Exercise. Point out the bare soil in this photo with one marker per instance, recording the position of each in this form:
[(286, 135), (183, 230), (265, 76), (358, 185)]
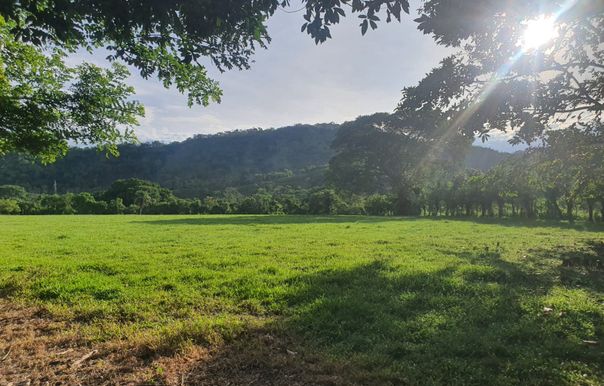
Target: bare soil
[(37, 349)]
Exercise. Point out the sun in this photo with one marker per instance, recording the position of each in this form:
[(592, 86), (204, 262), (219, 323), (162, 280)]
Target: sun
[(538, 32)]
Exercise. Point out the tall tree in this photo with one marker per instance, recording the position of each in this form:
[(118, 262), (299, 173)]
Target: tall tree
[(373, 158)]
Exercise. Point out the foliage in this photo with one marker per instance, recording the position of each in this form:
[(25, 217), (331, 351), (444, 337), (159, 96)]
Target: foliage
[(492, 83), (379, 205), (85, 203), (12, 191), (136, 191), (372, 158), (204, 165), (44, 103), (9, 206), (171, 38)]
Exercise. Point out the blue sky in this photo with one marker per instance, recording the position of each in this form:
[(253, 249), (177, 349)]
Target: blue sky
[(296, 81)]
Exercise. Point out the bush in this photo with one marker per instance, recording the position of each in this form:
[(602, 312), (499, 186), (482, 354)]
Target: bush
[(12, 192), (56, 204), (85, 203), (8, 206), (379, 205), (325, 201)]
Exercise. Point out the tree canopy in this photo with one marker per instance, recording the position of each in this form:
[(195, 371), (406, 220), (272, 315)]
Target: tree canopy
[(172, 40), (44, 102), (495, 82)]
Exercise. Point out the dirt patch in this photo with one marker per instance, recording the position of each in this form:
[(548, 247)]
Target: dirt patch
[(37, 349)]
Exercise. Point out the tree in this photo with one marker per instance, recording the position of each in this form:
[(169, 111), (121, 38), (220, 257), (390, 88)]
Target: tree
[(325, 201), (8, 206), (371, 157), (379, 205), (494, 82), (44, 103), (56, 204), (85, 203), (131, 191), (116, 206), (573, 163), (143, 199), (170, 39), (12, 192)]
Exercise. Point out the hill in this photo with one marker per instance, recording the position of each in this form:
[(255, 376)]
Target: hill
[(294, 156), (483, 158)]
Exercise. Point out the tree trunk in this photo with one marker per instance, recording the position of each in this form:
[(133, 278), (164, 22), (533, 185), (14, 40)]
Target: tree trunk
[(569, 211), (590, 209)]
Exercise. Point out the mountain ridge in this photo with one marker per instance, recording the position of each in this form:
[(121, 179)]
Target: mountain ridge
[(246, 160)]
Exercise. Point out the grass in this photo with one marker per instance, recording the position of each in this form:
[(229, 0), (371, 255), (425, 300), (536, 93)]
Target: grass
[(398, 300)]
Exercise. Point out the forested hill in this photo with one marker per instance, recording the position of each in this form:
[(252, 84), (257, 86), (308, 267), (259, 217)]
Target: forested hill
[(483, 158), (198, 166), (294, 156)]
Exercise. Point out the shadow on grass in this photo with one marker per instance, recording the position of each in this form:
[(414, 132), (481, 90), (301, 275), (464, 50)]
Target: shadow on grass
[(528, 223), (577, 267), (271, 220), (479, 322), (309, 219)]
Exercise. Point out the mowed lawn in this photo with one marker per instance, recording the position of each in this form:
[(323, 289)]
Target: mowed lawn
[(417, 301)]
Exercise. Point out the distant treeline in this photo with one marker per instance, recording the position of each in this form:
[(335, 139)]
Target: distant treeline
[(469, 194), (135, 196)]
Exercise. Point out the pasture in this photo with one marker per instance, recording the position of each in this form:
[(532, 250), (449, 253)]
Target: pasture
[(317, 300)]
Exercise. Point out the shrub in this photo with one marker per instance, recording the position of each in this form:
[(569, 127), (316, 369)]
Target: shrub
[(379, 205), (325, 201), (8, 206)]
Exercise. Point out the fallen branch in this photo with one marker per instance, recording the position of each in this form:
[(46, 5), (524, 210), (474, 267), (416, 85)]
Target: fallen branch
[(7, 354), (84, 358)]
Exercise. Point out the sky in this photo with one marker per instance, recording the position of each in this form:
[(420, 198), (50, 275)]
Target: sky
[(297, 81)]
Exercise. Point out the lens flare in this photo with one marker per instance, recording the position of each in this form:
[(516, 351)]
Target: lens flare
[(538, 32)]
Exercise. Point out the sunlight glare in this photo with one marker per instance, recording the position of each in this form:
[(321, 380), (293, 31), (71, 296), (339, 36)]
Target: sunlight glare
[(538, 32)]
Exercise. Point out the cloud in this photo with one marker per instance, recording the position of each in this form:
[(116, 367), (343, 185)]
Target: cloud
[(296, 81)]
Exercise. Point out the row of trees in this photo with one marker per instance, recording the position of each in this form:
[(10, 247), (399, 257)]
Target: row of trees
[(134, 196), (553, 180)]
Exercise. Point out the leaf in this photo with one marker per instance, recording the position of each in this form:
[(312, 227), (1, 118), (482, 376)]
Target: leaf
[(364, 26)]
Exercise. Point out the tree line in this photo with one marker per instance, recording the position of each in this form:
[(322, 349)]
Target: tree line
[(561, 178), (135, 196)]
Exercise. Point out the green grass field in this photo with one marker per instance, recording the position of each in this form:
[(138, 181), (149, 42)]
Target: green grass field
[(397, 300)]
